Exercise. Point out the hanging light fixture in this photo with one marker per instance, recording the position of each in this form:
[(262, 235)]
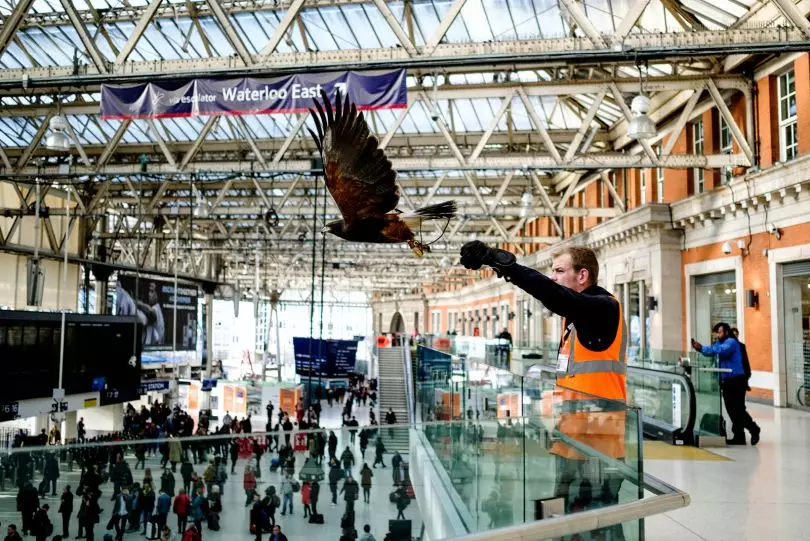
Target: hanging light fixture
[(58, 139), (641, 127), (526, 203)]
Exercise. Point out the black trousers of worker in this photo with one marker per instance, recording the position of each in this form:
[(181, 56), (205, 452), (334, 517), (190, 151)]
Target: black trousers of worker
[(734, 398)]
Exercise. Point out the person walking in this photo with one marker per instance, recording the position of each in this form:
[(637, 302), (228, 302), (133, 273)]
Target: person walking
[(286, 490), (65, 509), (182, 507), (162, 508), (120, 513), (234, 451), (186, 472), (733, 383), (379, 451), (347, 459), (314, 494), (365, 481), (42, 527), (335, 475)]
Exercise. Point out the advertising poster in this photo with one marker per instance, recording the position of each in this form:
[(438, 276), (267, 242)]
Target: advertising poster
[(152, 302)]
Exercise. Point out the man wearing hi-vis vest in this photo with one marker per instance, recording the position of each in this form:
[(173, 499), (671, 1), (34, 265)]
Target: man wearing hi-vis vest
[(590, 363)]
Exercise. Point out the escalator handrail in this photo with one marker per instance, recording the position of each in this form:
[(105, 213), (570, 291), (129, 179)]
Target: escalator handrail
[(690, 391)]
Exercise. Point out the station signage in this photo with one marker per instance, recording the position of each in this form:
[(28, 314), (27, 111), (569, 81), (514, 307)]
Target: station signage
[(252, 95)]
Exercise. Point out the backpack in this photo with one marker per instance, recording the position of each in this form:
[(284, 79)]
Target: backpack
[(296, 486)]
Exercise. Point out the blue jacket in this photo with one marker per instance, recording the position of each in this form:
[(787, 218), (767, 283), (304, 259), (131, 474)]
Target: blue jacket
[(730, 356), (164, 504)]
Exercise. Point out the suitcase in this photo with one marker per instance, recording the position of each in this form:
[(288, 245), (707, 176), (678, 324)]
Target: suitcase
[(347, 520), (316, 519), (152, 530), (213, 523), (43, 487)]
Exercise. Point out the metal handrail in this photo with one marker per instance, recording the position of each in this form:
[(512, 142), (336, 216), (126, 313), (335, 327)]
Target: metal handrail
[(588, 520)]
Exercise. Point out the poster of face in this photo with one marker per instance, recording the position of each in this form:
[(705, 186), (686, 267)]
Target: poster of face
[(153, 302)]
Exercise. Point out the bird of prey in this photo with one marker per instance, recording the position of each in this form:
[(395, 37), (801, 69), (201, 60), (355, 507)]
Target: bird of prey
[(361, 181)]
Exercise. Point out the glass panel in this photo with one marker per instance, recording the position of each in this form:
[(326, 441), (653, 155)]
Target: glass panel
[(714, 303), (796, 312)]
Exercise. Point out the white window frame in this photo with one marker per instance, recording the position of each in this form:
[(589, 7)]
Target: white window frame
[(788, 123), (659, 179), (726, 139), (642, 186), (698, 174), (435, 322)]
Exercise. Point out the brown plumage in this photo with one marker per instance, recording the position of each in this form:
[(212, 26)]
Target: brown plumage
[(362, 182)]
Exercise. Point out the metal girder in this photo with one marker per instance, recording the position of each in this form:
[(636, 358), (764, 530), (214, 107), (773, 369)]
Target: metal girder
[(736, 132), (12, 23), (502, 162), (444, 26), (612, 189), (397, 123), (538, 125), (573, 9), (630, 19), (389, 17), (585, 125), (4, 158), (34, 143), (78, 144), (556, 87), (290, 137), (89, 44), (628, 116), (243, 127), (794, 15), (113, 144), (283, 26), (158, 137), (501, 191), (491, 128), (224, 20), (137, 32), (191, 152), (682, 120), (531, 53)]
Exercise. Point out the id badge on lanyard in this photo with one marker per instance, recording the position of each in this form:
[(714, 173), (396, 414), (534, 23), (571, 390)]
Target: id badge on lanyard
[(564, 354)]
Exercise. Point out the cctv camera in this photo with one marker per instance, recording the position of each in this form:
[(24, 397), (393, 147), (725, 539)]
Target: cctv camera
[(434, 117), (771, 228), (726, 247)]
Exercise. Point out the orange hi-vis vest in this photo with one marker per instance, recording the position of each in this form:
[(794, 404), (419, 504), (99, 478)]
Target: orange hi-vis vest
[(582, 376)]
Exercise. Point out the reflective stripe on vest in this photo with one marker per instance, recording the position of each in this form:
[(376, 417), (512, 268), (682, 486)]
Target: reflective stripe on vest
[(616, 366)]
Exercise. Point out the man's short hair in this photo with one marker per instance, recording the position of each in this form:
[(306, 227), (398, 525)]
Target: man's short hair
[(722, 325), (581, 258)]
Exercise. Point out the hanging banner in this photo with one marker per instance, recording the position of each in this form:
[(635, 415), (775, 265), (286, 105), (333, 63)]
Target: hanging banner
[(252, 95)]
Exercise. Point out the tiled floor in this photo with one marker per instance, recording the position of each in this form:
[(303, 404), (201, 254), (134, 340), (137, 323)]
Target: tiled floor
[(234, 524), (760, 494)]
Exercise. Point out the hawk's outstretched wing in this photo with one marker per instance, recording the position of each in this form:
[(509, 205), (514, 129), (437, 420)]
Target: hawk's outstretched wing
[(358, 173)]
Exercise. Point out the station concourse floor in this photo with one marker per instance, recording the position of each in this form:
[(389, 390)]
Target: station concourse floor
[(234, 518), (760, 493)]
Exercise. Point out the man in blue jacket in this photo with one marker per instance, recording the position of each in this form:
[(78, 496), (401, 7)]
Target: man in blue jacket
[(733, 383)]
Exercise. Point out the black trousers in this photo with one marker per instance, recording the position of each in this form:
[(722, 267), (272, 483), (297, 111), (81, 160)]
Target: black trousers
[(734, 398), (65, 523)]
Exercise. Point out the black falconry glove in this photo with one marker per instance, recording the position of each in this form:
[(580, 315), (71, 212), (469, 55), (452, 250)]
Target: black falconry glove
[(476, 254)]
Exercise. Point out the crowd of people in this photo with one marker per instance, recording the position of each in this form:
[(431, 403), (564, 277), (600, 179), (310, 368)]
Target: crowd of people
[(144, 505)]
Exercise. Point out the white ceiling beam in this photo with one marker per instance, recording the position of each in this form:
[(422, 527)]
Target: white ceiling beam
[(389, 17), (22, 161), (397, 123), (501, 191), (618, 201), (154, 131), (243, 127), (445, 24), (224, 19), (89, 44), (109, 150), (290, 137), (505, 236), (569, 192), (195, 147), (505, 102), (630, 19), (681, 124), (13, 22), (138, 31), (573, 9), (549, 206), (538, 125), (433, 189), (736, 132), (283, 26), (585, 125)]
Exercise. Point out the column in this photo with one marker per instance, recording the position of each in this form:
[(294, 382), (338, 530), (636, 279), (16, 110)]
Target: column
[(69, 426)]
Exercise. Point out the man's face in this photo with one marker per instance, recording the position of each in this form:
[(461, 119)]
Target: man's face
[(10, 530), (563, 273), (720, 333), (276, 530), (153, 297)]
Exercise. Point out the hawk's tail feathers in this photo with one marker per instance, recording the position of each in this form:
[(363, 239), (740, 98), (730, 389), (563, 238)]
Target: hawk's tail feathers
[(441, 211)]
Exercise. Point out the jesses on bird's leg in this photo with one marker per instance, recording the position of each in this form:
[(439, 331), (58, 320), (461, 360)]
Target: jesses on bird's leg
[(418, 248)]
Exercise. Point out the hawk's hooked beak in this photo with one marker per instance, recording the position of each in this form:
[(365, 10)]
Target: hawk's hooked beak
[(326, 229)]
